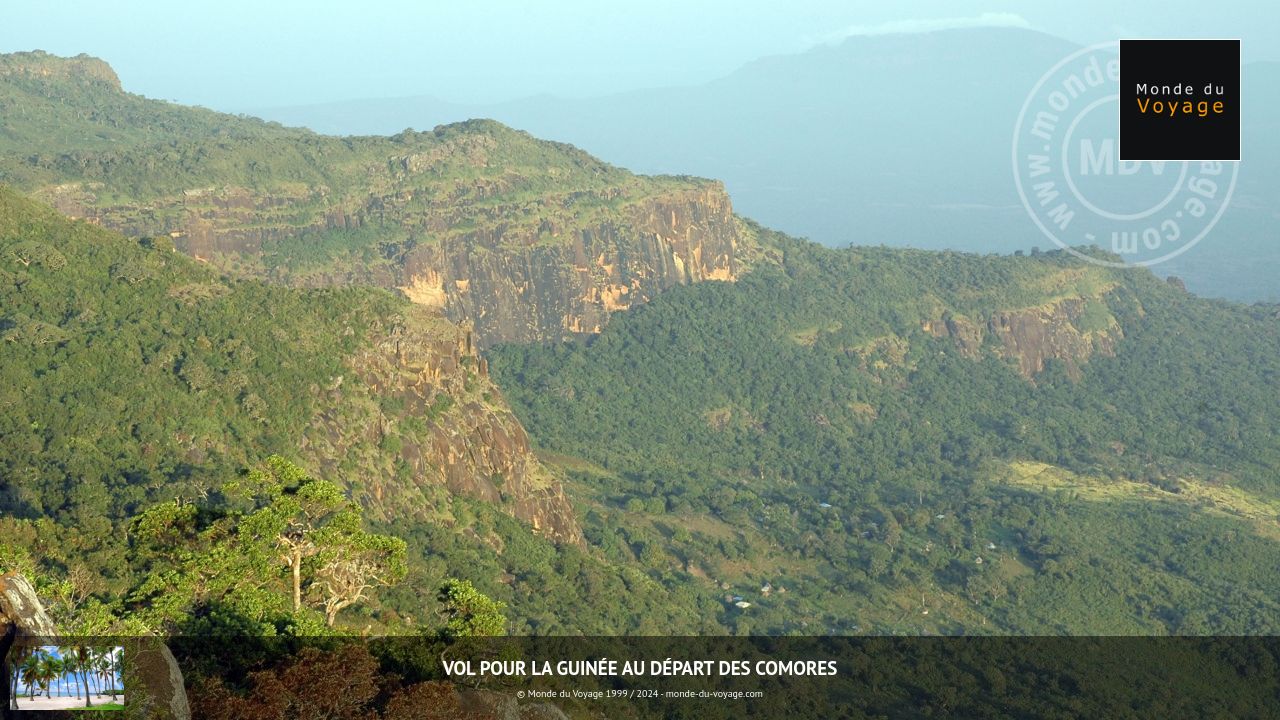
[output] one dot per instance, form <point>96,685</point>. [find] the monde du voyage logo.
<point>1131,147</point>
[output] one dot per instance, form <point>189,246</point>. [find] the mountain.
<point>895,139</point>
<point>104,333</point>
<point>132,376</point>
<point>845,438</point>
<point>524,239</point>
<point>924,442</point>
<point>859,440</point>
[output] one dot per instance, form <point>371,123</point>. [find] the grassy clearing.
<point>1261,512</point>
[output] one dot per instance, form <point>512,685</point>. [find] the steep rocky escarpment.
<point>524,268</point>
<point>43,67</point>
<point>20,607</point>
<point>1069,330</point>
<point>418,404</point>
<point>528,240</point>
<point>564,278</point>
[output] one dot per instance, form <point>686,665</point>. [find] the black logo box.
<point>1185,67</point>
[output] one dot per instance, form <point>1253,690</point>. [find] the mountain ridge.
<point>526,239</point>
<point>899,139</point>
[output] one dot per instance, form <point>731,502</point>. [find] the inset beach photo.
<point>53,677</point>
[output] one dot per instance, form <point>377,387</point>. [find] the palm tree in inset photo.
<point>107,668</point>
<point>114,656</point>
<point>30,674</point>
<point>84,659</point>
<point>19,656</point>
<point>70,666</point>
<point>50,670</point>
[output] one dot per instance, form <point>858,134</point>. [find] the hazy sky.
<point>242,54</point>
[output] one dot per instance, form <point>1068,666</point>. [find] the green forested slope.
<point>131,376</point>
<point>812,427</point>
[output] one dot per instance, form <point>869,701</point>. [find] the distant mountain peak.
<point>40,65</point>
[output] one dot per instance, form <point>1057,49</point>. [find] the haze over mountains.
<point>894,139</point>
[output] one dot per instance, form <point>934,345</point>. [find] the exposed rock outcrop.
<point>438,422</point>
<point>1058,330</point>
<point>515,287</point>
<point>43,66</point>
<point>20,607</point>
<point>1055,332</point>
<point>516,281</point>
<point>154,675</point>
<point>526,253</point>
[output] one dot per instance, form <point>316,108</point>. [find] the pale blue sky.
<point>240,54</point>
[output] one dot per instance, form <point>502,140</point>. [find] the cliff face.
<point>520,286</point>
<point>41,66</point>
<point>528,240</point>
<point>528,270</point>
<point>419,404</point>
<point>19,606</point>
<point>1069,330</point>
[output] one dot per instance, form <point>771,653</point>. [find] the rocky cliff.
<point>20,607</point>
<point>419,405</point>
<point>520,268</point>
<point>528,240</point>
<point>43,67</point>
<point>564,277</point>
<point>1068,330</point>
<point>516,282</point>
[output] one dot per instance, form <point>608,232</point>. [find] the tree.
<point>49,668</point>
<point>70,665</point>
<point>467,612</point>
<point>315,523</point>
<point>231,555</point>
<point>30,252</point>
<point>84,659</point>
<point>104,666</point>
<point>303,505</point>
<point>10,695</point>
<point>30,674</point>
<point>112,660</point>
<point>354,562</point>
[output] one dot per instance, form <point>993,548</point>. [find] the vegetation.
<point>794,439</point>
<point>843,442</point>
<point>321,209</point>
<point>800,430</point>
<point>863,440</point>
<point>137,401</point>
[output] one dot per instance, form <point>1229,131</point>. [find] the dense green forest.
<point>133,378</point>
<point>823,440</point>
<point>265,442</point>
<point>801,429</point>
